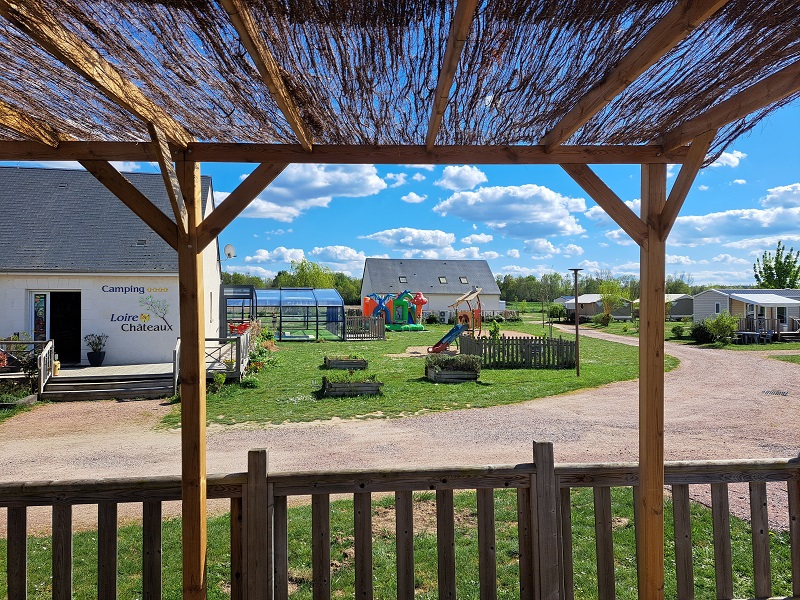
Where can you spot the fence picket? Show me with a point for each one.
(62, 552)
(604, 542)
(525, 535)
(236, 548)
(794, 532)
(362, 523)
(151, 550)
(759, 521)
(568, 565)
(487, 560)
(321, 545)
(280, 531)
(107, 550)
(446, 543)
(684, 567)
(17, 567)
(404, 530)
(721, 516)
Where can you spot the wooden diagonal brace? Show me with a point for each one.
(609, 202)
(170, 178)
(236, 202)
(684, 181)
(131, 197)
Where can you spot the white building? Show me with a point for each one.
(749, 303)
(442, 282)
(74, 260)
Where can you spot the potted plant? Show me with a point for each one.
(452, 369)
(96, 341)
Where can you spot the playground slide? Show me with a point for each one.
(448, 338)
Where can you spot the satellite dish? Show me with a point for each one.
(229, 250)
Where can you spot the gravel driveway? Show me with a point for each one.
(716, 408)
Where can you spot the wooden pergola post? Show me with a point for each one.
(193, 388)
(651, 387)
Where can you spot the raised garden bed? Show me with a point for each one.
(452, 369)
(345, 363)
(350, 388)
(440, 376)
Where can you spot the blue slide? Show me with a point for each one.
(448, 338)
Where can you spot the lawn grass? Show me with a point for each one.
(791, 358)
(343, 577)
(287, 390)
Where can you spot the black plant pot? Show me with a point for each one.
(95, 358)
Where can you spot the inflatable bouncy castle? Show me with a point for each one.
(403, 311)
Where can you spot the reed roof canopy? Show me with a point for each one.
(431, 73)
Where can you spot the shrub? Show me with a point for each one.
(250, 382)
(494, 330)
(432, 319)
(557, 311)
(678, 330)
(460, 362)
(602, 319)
(217, 383)
(722, 326)
(700, 333)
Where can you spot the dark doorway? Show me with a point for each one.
(65, 326)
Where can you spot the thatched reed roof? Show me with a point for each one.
(349, 72)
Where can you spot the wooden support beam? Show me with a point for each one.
(251, 39)
(683, 183)
(678, 23)
(131, 197)
(459, 29)
(651, 388)
(33, 18)
(28, 126)
(609, 202)
(170, 178)
(236, 202)
(347, 154)
(759, 95)
(193, 390)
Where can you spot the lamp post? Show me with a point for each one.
(577, 321)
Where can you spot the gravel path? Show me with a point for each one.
(716, 408)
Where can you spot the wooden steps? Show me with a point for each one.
(125, 387)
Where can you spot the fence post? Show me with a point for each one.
(546, 543)
(256, 519)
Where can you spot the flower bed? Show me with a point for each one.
(452, 369)
(348, 363)
(351, 383)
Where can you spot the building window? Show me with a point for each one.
(716, 307)
(442, 279)
(403, 279)
(463, 280)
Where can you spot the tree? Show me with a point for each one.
(244, 279)
(348, 287)
(612, 296)
(304, 273)
(779, 271)
(680, 283)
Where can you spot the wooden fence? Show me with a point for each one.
(521, 352)
(364, 328)
(259, 525)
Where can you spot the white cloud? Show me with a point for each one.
(257, 271)
(342, 259)
(720, 227)
(513, 253)
(620, 238)
(730, 260)
(672, 170)
(424, 167)
(518, 271)
(762, 243)
(398, 178)
(303, 186)
(597, 214)
(673, 259)
(461, 178)
(729, 159)
(407, 237)
(525, 211)
(477, 238)
(540, 248)
(279, 255)
(413, 198)
(571, 250)
(589, 264)
(448, 252)
(784, 195)
(739, 182)
(418, 177)
(703, 188)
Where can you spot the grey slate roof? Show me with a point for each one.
(423, 275)
(61, 220)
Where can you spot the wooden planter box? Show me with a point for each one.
(362, 388)
(450, 376)
(347, 364)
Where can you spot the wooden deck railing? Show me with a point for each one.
(759, 324)
(259, 524)
(229, 355)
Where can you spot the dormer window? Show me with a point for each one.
(403, 279)
(443, 280)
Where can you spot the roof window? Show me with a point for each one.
(463, 280)
(403, 279)
(443, 280)
(141, 242)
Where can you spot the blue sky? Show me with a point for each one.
(522, 220)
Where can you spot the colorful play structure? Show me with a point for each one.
(402, 312)
(467, 321)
